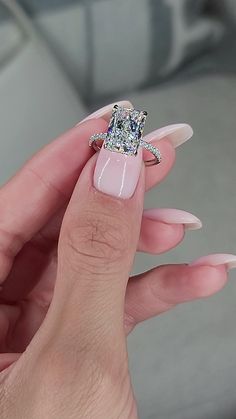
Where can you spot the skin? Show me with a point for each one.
(67, 299)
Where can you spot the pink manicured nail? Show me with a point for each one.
(105, 112)
(177, 134)
(117, 174)
(215, 260)
(174, 216)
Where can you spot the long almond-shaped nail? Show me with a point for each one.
(174, 216)
(177, 134)
(117, 174)
(105, 112)
(215, 260)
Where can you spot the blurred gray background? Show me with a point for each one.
(177, 59)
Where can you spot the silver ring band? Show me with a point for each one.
(94, 142)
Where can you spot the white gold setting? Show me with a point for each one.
(124, 134)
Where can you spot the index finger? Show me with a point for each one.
(41, 187)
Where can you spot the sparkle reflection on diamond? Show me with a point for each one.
(125, 130)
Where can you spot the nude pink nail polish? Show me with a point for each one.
(216, 259)
(177, 134)
(105, 112)
(174, 216)
(117, 174)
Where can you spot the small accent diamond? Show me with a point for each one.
(96, 137)
(152, 149)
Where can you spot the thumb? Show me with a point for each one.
(97, 245)
(79, 356)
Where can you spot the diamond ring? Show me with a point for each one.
(124, 134)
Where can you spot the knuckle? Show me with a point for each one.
(98, 240)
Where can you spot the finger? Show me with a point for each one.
(45, 182)
(147, 295)
(33, 195)
(161, 230)
(38, 277)
(156, 237)
(98, 240)
(8, 359)
(162, 288)
(164, 228)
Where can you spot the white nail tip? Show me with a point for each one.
(193, 226)
(216, 260)
(174, 216)
(177, 134)
(182, 134)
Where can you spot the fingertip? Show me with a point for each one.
(157, 237)
(98, 124)
(207, 280)
(106, 111)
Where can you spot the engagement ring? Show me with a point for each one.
(124, 134)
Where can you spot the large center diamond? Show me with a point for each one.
(125, 130)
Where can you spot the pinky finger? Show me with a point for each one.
(162, 288)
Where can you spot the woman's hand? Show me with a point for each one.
(77, 294)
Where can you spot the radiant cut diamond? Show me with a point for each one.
(125, 130)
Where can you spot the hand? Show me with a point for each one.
(76, 364)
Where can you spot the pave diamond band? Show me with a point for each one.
(96, 138)
(124, 134)
(93, 141)
(154, 150)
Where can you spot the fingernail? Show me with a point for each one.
(174, 216)
(105, 112)
(215, 260)
(117, 174)
(177, 134)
